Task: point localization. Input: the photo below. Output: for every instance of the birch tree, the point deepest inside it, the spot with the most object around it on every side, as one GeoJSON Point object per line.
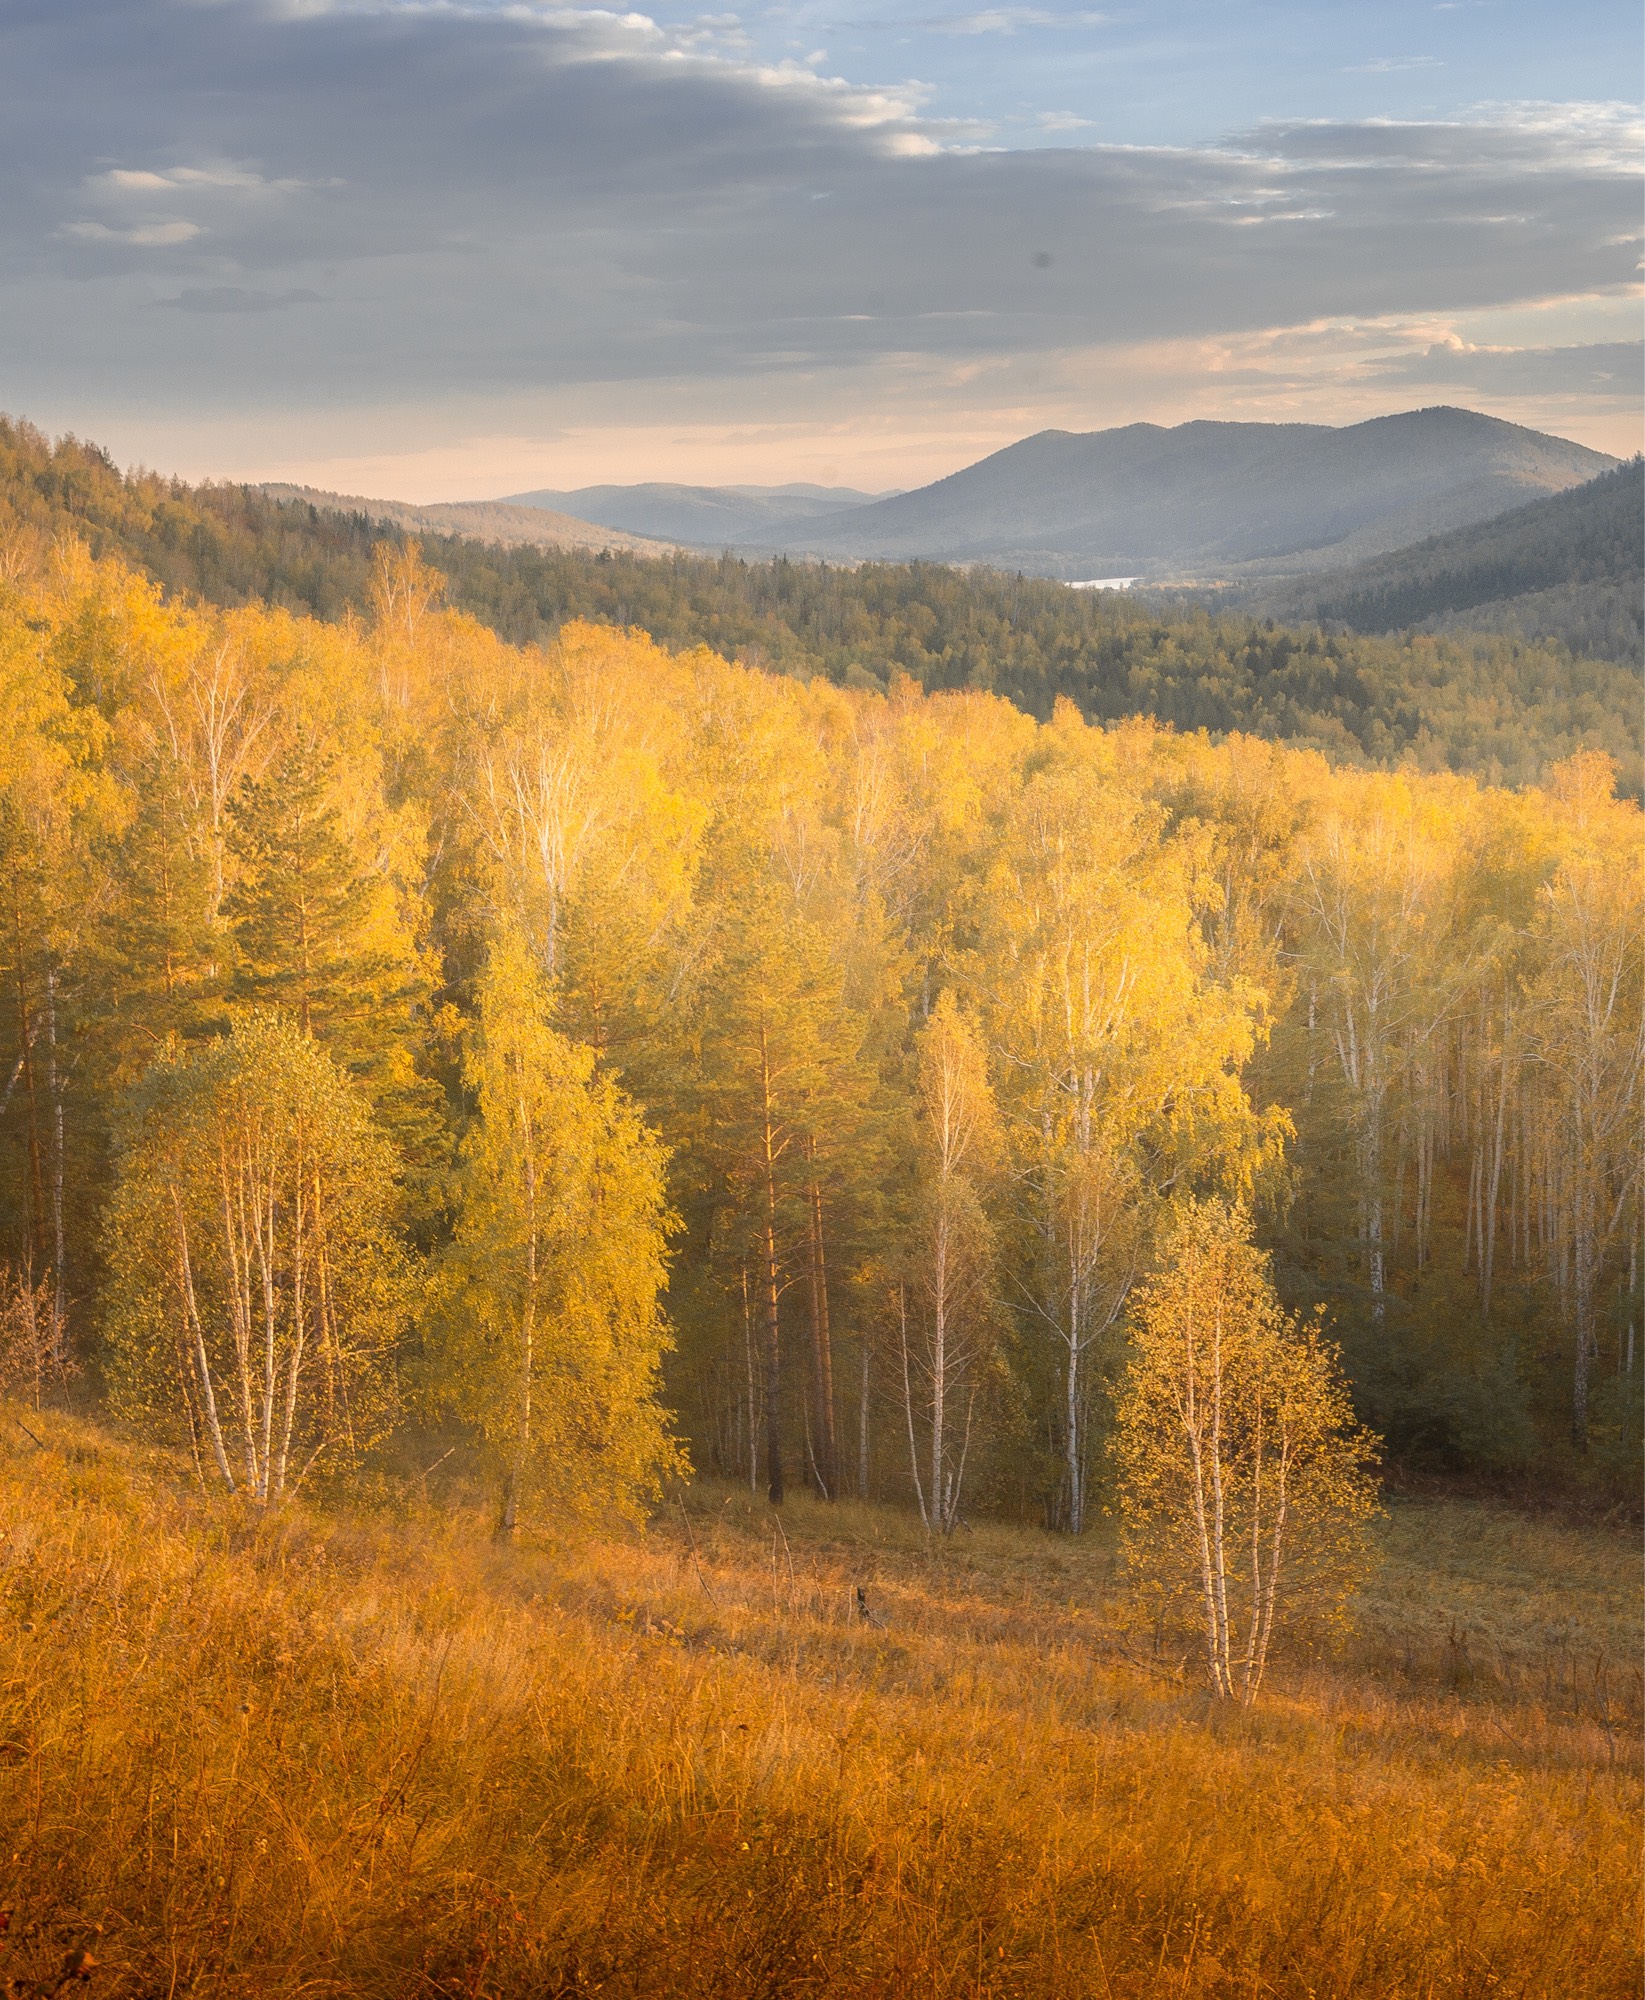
{"type": "Point", "coordinates": [1586, 1042]}
{"type": "Point", "coordinates": [1245, 1479]}
{"type": "Point", "coordinates": [954, 1255]}
{"type": "Point", "coordinates": [258, 1290]}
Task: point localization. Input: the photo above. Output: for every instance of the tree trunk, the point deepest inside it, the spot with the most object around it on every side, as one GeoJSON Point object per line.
{"type": "Point", "coordinates": [753, 1402]}
{"type": "Point", "coordinates": [36, 1201]}
{"type": "Point", "coordinates": [773, 1288]}
{"type": "Point", "coordinates": [939, 1369]}
{"type": "Point", "coordinates": [908, 1409]}
{"type": "Point", "coordinates": [1071, 1416]}
{"type": "Point", "coordinates": [197, 1340]}
{"type": "Point", "coordinates": [862, 1417]}
{"type": "Point", "coordinates": [54, 1091]}
{"type": "Point", "coordinates": [822, 1357]}
{"type": "Point", "coordinates": [509, 1517]}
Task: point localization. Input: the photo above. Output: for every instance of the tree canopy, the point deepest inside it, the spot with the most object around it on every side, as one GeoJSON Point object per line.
{"type": "Point", "coordinates": [712, 935]}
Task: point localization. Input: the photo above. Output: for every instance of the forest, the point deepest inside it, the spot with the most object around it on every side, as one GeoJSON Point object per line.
{"type": "Point", "coordinates": [1501, 706]}
{"type": "Point", "coordinates": [780, 1078]}
{"type": "Point", "coordinates": [608, 1260]}
{"type": "Point", "coordinates": [1568, 567]}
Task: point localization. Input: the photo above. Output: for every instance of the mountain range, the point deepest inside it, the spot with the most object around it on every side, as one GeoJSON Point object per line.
{"type": "Point", "coordinates": [1198, 502]}
{"type": "Point", "coordinates": [700, 516]}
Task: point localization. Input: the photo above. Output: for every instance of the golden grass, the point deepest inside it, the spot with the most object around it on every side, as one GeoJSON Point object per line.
{"type": "Point", "coordinates": [377, 1756]}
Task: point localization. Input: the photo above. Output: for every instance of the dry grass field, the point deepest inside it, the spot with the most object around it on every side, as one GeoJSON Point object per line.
{"type": "Point", "coordinates": [376, 1755]}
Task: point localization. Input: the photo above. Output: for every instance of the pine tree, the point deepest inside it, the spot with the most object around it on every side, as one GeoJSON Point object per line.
{"type": "Point", "coordinates": [321, 931]}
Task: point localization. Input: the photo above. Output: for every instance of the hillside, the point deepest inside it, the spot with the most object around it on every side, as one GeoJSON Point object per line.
{"type": "Point", "coordinates": [712, 517]}
{"type": "Point", "coordinates": [1211, 499]}
{"type": "Point", "coordinates": [377, 1755]}
{"type": "Point", "coordinates": [495, 521]}
{"type": "Point", "coordinates": [1498, 706]}
{"type": "Point", "coordinates": [1570, 568]}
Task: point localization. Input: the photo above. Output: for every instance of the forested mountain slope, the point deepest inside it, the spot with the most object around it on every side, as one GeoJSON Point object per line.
{"type": "Point", "coordinates": [1570, 567]}
{"type": "Point", "coordinates": [497, 521]}
{"type": "Point", "coordinates": [1498, 706]}
{"type": "Point", "coordinates": [1212, 499]}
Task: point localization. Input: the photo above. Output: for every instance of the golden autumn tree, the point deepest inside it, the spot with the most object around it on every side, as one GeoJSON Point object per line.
{"type": "Point", "coordinates": [1585, 1040]}
{"type": "Point", "coordinates": [547, 1328]}
{"type": "Point", "coordinates": [258, 1291]}
{"type": "Point", "coordinates": [1123, 1044]}
{"type": "Point", "coordinates": [1245, 1479]}
{"type": "Point", "coordinates": [953, 1256]}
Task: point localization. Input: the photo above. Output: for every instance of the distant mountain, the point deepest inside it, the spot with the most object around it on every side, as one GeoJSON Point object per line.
{"type": "Point", "coordinates": [1569, 567]}
{"type": "Point", "coordinates": [492, 521]}
{"type": "Point", "coordinates": [713, 517]}
{"type": "Point", "coordinates": [1210, 500]}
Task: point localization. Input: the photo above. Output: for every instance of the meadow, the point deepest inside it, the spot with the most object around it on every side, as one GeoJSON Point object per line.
{"type": "Point", "coordinates": [375, 1753]}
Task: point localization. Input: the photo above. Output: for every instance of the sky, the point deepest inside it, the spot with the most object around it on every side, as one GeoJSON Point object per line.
{"type": "Point", "coordinates": [454, 249]}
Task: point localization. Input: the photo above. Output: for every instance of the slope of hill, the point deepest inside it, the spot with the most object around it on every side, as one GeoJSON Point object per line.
{"type": "Point", "coordinates": [1497, 706]}
{"type": "Point", "coordinates": [307, 551]}
{"type": "Point", "coordinates": [714, 517]}
{"type": "Point", "coordinates": [495, 521]}
{"type": "Point", "coordinates": [631, 1765]}
{"type": "Point", "coordinates": [1211, 499]}
{"type": "Point", "coordinates": [1569, 568]}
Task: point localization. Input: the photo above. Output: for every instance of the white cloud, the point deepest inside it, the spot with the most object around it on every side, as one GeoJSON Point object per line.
{"type": "Point", "coordinates": [213, 179]}
{"type": "Point", "coordinates": [1007, 21]}
{"type": "Point", "coordinates": [1391, 65]}
{"type": "Point", "coordinates": [146, 235]}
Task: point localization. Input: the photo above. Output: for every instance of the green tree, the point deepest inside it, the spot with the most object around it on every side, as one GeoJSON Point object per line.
{"type": "Point", "coordinates": [548, 1334]}
{"type": "Point", "coordinates": [321, 929]}
{"type": "Point", "coordinates": [163, 953]}
{"type": "Point", "coordinates": [258, 1292]}
{"type": "Point", "coordinates": [1245, 1481]}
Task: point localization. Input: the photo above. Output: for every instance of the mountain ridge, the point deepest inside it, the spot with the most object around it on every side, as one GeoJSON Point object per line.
{"type": "Point", "coordinates": [494, 521]}
{"type": "Point", "coordinates": [705, 516]}
{"type": "Point", "coordinates": [1496, 706]}
{"type": "Point", "coordinates": [1569, 567]}
{"type": "Point", "coordinates": [1208, 500]}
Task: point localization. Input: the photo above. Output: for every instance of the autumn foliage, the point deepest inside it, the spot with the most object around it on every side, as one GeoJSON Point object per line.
{"type": "Point", "coordinates": [458, 1098]}
{"type": "Point", "coordinates": [1398, 1015]}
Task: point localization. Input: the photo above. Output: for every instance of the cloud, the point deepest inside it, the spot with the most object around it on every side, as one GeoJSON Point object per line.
{"type": "Point", "coordinates": [483, 201]}
{"type": "Point", "coordinates": [1007, 20]}
{"type": "Point", "coordinates": [1593, 368]}
{"type": "Point", "coordinates": [1391, 65]}
{"type": "Point", "coordinates": [148, 235]}
{"type": "Point", "coordinates": [213, 179]}
{"type": "Point", "coordinates": [236, 299]}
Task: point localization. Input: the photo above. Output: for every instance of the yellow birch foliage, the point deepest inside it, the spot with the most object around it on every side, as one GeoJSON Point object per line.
{"type": "Point", "coordinates": [548, 1333]}
{"type": "Point", "coordinates": [1245, 1482]}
